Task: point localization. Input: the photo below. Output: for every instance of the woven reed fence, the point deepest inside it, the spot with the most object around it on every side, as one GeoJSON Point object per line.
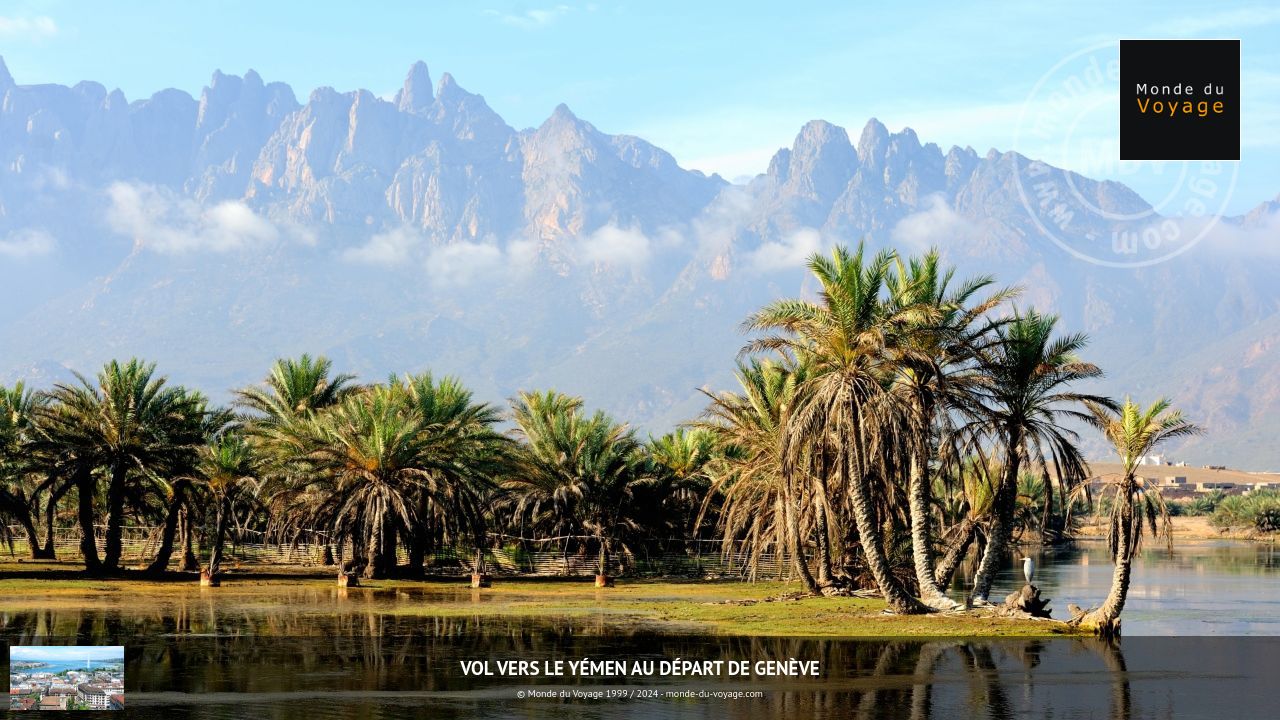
{"type": "Point", "coordinates": [508, 556]}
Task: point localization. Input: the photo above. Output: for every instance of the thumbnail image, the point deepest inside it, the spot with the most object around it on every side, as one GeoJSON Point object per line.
{"type": "Point", "coordinates": [66, 677]}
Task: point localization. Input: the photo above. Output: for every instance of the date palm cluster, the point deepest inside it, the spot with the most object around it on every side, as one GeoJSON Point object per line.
{"type": "Point", "coordinates": [883, 430]}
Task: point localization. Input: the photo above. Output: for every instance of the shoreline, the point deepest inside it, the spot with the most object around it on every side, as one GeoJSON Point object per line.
{"type": "Point", "coordinates": [1185, 527]}
{"type": "Point", "coordinates": [665, 606]}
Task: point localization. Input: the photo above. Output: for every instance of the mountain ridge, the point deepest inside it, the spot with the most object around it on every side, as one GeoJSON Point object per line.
{"type": "Point", "coordinates": [424, 231]}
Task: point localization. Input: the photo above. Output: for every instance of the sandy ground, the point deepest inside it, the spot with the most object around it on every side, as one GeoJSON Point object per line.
{"type": "Point", "coordinates": [1185, 528]}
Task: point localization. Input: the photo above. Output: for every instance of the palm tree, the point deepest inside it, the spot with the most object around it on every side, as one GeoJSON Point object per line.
{"type": "Point", "coordinates": [451, 500]}
{"type": "Point", "coordinates": [174, 487]}
{"type": "Point", "coordinates": [579, 473]}
{"type": "Point", "coordinates": [127, 426]}
{"type": "Point", "coordinates": [1133, 432]}
{"type": "Point", "coordinates": [852, 342]}
{"type": "Point", "coordinates": [294, 391]}
{"type": "Point", "coordinates": [296, 388]}
{"type": "Point", "coordinates": [683, 460]}
{"type": "Point", "coordinates": [751, 482]}
{"type": "Point", "coordinates": [226, 471]}
{"type": "Point", "coordinates": [359, 468]}
{"type": "Point", "coordinates": [938, 374]}
{"type": "Point", "coordinates": [18, 494]}
{"type": "Point", "coordinates": [1023, 403]}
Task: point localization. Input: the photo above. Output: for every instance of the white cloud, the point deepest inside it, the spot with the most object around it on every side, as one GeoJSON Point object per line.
{"type": "Point", "coordinates": [27, 243]}
{"type": "Point", "coordinates": [936, 225]}
{"type": "Point", "coordinates": [460, 263]}
{"type": "Point", "coordinates": [28, 28]}
{"type": "Point", "coordinates": [612, 245]}
{"type": "Point", "coordinates": [792, 252]}
{"type": "Point", "coordinates": [530, 19]}
{"type": "Point", "coordinates": [388, 248]}
{"type": "Point", "coordinates": [168, 223]}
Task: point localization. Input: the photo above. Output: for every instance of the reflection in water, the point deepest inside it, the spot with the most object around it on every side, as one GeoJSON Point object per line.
{"type": "Point", "coordinates": [313, 652]}
{"type": "Point", "coordinates": [1200, 588]}
{"type": "Point", "coordinates": [376, 664]}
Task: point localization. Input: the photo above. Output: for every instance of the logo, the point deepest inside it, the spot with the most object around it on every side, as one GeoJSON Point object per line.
{"type": "Point", "coordinates": [1180, 99]}
{"type": "Point", "coordinates": [1069, 148]}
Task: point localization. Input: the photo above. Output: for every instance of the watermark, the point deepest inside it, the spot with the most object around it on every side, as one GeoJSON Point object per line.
{"type": "Point", "coordinates": [1070, 122]}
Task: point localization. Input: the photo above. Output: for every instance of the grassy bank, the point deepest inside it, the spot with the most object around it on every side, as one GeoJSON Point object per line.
{"type": "Point", "coordinates": [712, 607]}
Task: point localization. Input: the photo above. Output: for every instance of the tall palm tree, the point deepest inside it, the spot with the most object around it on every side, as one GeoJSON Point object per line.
{"type": "Point", "coordinates": [853, 343]}
{"type": "Point", "coordinates": [1133, 432]}
{"type": "Point", "coordinates": [129, 427]}
{"type": "Point", "coordinates": [937, 376]}
{"type": "Point", "coordinates": [580, 472]}
{"type": "Point", "coordinates": [751, 481]}
{"type": "Point", "coordinates": [1024, 400]}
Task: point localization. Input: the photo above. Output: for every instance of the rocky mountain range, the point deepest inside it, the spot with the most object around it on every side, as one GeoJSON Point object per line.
{"type": "Point", "coordinates": [422, 231]}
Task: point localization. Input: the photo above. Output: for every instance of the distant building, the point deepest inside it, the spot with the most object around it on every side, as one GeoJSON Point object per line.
{"type": "Point", "coordinates": [95, 697]}
{"type": "Point", "coordinates": [117, 702]}
{"type": "Point", "coordinates": [54, 702]}
{"type": "Point", "coordinates": [1173, 481]}
{"type": "Point", "coordinates": [1153, 460]}
{"type": "Point", "coordinates": [22, 703]}
{"type": "Point", "coordinates": [1210, 486]}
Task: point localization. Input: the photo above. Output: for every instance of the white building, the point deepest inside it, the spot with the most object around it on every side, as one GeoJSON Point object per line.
{"type": "Point", "coordinates": [95, 697]}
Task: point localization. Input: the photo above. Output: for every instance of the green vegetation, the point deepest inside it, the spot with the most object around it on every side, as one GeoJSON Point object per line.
{"type": "Point", "coordinates": [1257, 513]}
{"type": "Point", "coordinates": [881, 432]}
{"type": "Point", "coordinates": [1135, 504]}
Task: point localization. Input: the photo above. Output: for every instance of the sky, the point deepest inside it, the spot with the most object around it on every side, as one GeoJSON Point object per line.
{"type": "Point", "coordinates": [65, 653]}
{"type": "Point", "coordinates": [720, 85]}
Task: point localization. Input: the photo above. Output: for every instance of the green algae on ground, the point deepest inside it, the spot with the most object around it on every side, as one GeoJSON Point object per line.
{"type": "Point", "coordinates": [722, 607]}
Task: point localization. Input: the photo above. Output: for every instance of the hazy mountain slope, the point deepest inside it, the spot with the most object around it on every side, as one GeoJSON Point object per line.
{"type": "Point", "coordinates": [213, 235]}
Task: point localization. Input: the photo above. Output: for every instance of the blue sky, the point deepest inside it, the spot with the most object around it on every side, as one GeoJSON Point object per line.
{"type": "Point", "coordinates": [65, 653]}
{"type": "Point", "coordinates": [720, 85]}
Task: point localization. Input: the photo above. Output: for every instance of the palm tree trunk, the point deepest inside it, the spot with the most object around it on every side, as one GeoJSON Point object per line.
{"type": "Point", "coordinates": [795, 546]}
{"type": "Point", "coordinates": [1006, 497]}
{"type": "Point", "coordinates": [1106, 619]}
{"type": "Point", "coordinates": [868, 533]}
{"type": "Point", "coordinates": [115, 519]}
{"type": "Point", "coordinates": [219, 536]}
{"type": "Point", "coordinates": [922, 536]}
{"type": "Point", "coordinates": [1047, 522]}
{"type": "Point", "coordinates": [165, 553]}
{"type": "Point", "coordinates": [88, 541]}
{"type": "Point", "coordinates": [50, 551]}
{"type": "Point", "coordinates": [33, 540]}
{"type": "Point", "coordinates": [189, 561]}
{"type": "Point", "coordinates": [822, 508]}
{"type": "Point", "coordinates": [955, 554]}
{"type": "Point", "coordinates": [824, 542]}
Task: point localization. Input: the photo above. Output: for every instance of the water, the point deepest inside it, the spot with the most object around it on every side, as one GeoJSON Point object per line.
{"type": "Point", "coordinates": [1214, 587]}
{"type": "Point", "coordinates": [314, 652]}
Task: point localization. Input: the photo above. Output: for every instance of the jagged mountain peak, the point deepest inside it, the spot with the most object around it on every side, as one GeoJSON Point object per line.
{"type": "Point", "coordinates": [872, 140]}
{"type": "Point", "coordinates": [416, 95]}
{"type": "Point", "coordinates": [6, 80]}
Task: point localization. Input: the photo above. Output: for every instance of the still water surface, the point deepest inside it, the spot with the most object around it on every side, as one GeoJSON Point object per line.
{"type": "Point", "coordinates": [313, 653]}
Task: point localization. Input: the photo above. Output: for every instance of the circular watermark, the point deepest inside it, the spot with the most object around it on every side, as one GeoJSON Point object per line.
{"type": "Point", "coordinates": [1071, 122]}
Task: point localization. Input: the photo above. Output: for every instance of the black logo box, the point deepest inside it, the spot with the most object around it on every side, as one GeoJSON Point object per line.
{"type": "Point", "coordinates": [1186, 68]}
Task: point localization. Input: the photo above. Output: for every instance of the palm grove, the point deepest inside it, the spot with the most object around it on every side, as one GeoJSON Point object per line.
{"type": "Point", "coordinates": [901, 422]}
